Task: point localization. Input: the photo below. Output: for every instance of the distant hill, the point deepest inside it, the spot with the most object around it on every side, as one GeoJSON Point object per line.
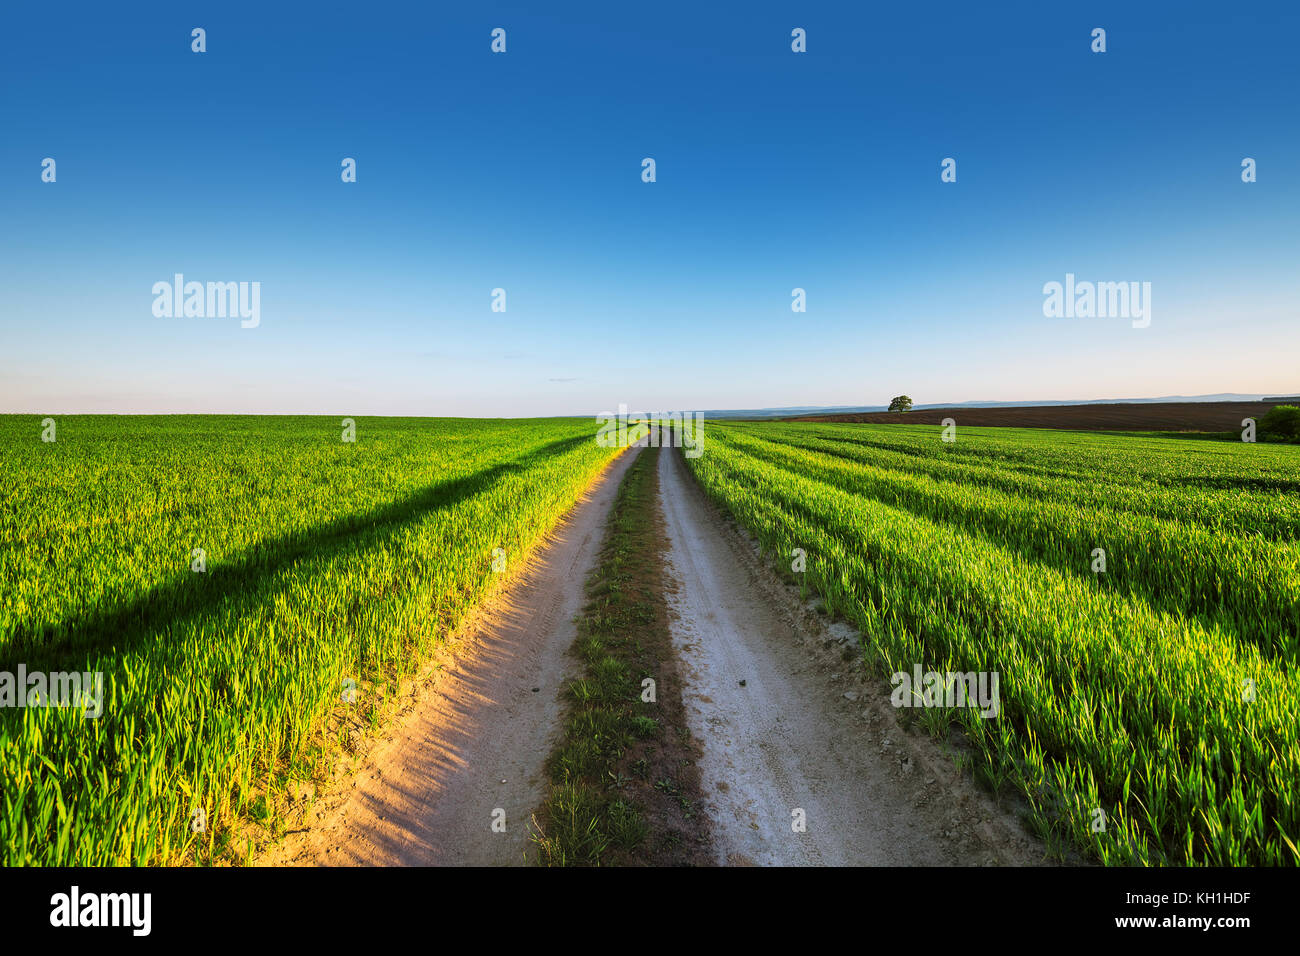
{"type": "Point", "coordinates": [802, 410]}
{"type": "Point", "coordinates": [1190, 416]}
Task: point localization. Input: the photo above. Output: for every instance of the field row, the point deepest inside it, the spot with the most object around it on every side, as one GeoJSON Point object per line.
{"type": "Point", "coordinates": [324, 562]}
{"type": "Point", "coordinates": [1161, 692]}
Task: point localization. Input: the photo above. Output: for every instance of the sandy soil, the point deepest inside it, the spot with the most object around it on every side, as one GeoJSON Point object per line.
{"type": "Point", "coordinates": [787, 723]}
{"type": "Point", "coordinates": [479, 731]}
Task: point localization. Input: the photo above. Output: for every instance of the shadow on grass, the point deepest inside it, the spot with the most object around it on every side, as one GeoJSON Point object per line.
{"type": "Point", "coordinates": [125, 626]}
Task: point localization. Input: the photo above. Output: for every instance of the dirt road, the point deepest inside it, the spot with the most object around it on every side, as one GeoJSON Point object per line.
{"type": "Point", "coordinates": [792, 732]}
{"type": "Point", "coordinates": [791, 729]}
{"type": "Point", "coordinates": [476, 740]}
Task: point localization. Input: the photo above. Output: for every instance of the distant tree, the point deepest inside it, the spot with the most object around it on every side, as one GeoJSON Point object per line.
{"type": "Point", "coordinates": [1282, 423]}
{"type": "Point", "coordinates": [900, 404]}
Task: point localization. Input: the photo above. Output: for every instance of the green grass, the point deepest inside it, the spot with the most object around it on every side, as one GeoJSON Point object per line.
{"type": "Point", "coordinates": [326, 561]}
{"type": "Point", "coordinates": [1122, 691]}
{"type": "Point", "coordinates": [589, 815]}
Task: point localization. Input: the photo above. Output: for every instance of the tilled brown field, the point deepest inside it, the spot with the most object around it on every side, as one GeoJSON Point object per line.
{"type": "Point", "coordinates": [1155, 416]}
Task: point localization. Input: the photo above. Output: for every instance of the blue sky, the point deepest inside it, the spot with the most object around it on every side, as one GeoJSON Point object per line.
{"type": "Point", "coordinates": [522, 171]}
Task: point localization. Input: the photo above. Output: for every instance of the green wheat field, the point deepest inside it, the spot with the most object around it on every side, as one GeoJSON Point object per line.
{"type": "Point", "coordinates": [326, 561]}
{"type": "Point", "coordinates": [1161, 691]}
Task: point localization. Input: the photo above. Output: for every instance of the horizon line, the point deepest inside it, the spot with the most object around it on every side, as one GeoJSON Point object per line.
{"type": "Point", "coordinates": [1206, 398]}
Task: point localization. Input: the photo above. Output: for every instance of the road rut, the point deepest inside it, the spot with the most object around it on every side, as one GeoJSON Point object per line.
{"type": "Point", "coordinates": [782, 743]}
{"type": "Point", "coordinates": [478, 737]}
